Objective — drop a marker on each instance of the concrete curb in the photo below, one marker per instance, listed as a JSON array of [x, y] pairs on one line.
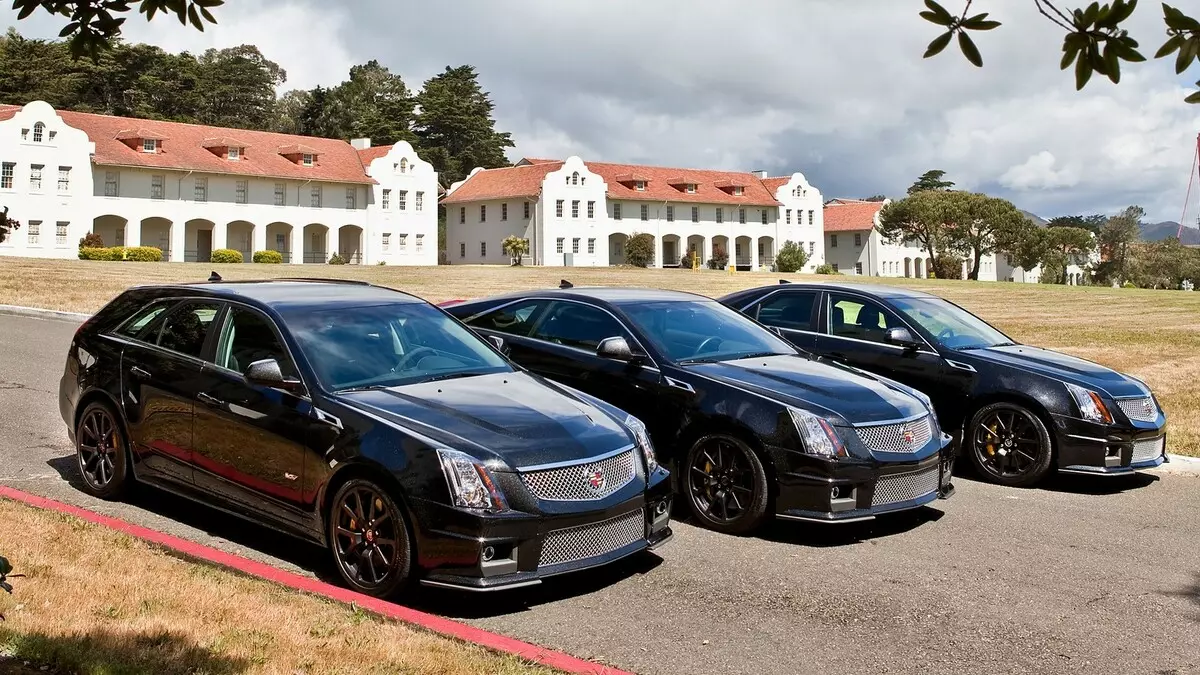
[[1180, 464], [447, 627], [39, 313]]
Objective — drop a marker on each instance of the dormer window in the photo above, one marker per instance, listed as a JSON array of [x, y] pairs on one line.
[[235, 154], [639, 185], [737, 191], [39, 130], [149, 145], [307, 160], [691, 188]]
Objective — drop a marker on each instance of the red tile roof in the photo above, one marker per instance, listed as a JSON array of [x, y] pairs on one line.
[[526, 181], [182, 149], [773, 184], [535, 160], [371, 154], [846, 215]]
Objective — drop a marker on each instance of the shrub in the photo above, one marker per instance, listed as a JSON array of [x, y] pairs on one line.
[[268, 257], [381, 263], [91, 240], [719, 260], [226, 255], [143, 254], [791, 258], [687, 261], [101, 253], [947, 267], [514, 247], [639, 250], [6, 574], [338, 259], [826, 269], [1128, 284]]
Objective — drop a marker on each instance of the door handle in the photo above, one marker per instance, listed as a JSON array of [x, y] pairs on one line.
[[209, 400], [139, 372]]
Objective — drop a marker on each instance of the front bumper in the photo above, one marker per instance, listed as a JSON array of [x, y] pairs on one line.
[[849, 492], [484, 552], [1095, 449]]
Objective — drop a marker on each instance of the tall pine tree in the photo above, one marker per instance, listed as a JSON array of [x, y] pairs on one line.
[[455, 126]]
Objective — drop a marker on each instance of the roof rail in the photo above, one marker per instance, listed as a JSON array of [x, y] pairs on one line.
[[563, 283]]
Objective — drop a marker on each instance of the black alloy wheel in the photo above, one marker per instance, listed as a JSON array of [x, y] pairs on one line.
[[101, 452], [726, 485], [369, 538], [1009, 445]]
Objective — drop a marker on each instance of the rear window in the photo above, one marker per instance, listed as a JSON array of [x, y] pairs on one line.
[[143, 325]]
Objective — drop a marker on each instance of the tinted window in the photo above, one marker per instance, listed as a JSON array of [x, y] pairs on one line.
[[143, 326], [788, 310], [577, 325], [390, 344], [515, 319], [186, 328], [702, 331], [249, 337], [859, 318], [952, 326]]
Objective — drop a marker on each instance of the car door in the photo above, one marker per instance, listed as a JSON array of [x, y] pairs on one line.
[[161, 370], [250, 441], [791, 311], [853, 331]]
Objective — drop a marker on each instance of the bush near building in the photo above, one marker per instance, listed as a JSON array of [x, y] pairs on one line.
[[122, 253], [719, 260], [91, 240], [639, 250], [268, 257], [338, 259], [791, 258], [826, 269], [226, 255]]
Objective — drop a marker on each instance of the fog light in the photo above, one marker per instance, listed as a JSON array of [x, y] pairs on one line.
[[660, 508], [835, 493], [488, 553]]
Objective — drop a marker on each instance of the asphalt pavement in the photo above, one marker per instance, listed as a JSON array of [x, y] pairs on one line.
[[1083, 575]]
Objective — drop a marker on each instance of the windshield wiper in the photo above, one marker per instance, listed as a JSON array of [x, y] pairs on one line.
[[363, 387], [452, 376], [728, 357]]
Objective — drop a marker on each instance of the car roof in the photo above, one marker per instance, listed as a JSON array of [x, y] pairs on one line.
[[615, 295], [294, 292], [878, 290]]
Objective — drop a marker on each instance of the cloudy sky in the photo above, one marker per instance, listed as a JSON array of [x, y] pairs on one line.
[[836, 89]]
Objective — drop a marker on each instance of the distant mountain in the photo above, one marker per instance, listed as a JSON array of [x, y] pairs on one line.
[[1037, 220], [1168, 229]]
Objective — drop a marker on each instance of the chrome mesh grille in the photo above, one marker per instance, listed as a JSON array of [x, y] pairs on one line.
[[583, 482], [1144, 451], [593, 539], [903, 437], [902, 487], [1138, 409]]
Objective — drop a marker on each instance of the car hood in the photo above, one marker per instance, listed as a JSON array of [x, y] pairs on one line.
[[816, 386], [508, 420], [1060, 367]]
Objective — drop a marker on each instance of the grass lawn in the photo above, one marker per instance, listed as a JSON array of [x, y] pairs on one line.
[[99, 601], [1154, 335]]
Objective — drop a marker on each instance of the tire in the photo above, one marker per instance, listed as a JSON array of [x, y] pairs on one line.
[[1022, 452], [373, 557], [725, 485], [102, 453]]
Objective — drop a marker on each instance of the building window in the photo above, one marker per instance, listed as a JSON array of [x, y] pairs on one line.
[[351, 198], [403, 165], [504, 211], [691, 188], [737, 192], [575, 178], [558, 248], [645, 212], [51, 135], [280, 241], [575, 245], [591, 246], [387, 238], [35, 228], [156, 186], [149, 145], [24, 134], [858, 268], [742, 215], [591, 210], [483, 213], [199, 189], [695, 214], [38, 130], [462, 249], [833, 241], [858, 239], [402, 202], [35, 176], [306, 159], [670, 214], [420, 243], [483, 249], [812, 245], [64, 178], [787, 216], [764, 216], [120, 237], [526, 210], [112, 184], [420, 201], [720, 214], [60, 233], [462, 214], [616, 211], [6, 175], [234, 154], [574, 208], [240, 190], [314, 197], [387, 199], [402, 240], [280, 194], [810, 217], [558, 208], [640, 185]]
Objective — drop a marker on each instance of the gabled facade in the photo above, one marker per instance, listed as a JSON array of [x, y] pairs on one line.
[[189, 189]]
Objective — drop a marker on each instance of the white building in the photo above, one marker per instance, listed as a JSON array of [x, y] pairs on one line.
[[577, 213], [190, 189]]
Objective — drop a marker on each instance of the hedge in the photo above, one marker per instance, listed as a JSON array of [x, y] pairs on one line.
[[226, 255], [122, 253], [269, 257]]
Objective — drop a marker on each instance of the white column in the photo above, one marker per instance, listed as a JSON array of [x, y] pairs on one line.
[[295, 242], [658, 249], [178, 241], [331, 240], [133, 233], [754, 254], [220, 236], [258, 240]]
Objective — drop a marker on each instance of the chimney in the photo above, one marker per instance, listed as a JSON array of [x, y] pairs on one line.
[[760, 173], [360, 143]]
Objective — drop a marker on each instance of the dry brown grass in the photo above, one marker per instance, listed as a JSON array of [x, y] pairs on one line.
[[98, 601], [1154, 335]]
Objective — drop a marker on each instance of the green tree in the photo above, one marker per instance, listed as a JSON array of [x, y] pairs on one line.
[[791, 258], [1095, 42], [7, 225], [319, 116], [875, 198], [1028, 250], [236, 88], [639, 250], [1065, 246], [95, 24], [288, 111], [1090, 223], [515, 247], [985, 225], [926, 217], [374, 103], [1115, 238], [930, 180], [455, 127]]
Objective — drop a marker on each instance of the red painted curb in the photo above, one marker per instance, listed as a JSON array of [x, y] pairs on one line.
[[436, 624]]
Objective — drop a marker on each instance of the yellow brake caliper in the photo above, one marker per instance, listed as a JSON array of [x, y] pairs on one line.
[[991, 446]]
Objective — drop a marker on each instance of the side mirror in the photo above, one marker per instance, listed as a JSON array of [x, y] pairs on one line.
[[615, 348], [266, 373], [498, 343], [901, 337]]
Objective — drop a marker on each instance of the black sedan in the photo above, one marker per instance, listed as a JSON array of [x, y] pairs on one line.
[[363, 419], [1019, 411], [749, 426]]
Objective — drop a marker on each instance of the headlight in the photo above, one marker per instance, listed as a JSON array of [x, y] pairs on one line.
[[470, 483], [642, 438], [818, 434], [1090, 405]]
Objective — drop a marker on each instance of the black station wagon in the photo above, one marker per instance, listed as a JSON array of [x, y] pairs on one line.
[[363, 419], [1019, 411]]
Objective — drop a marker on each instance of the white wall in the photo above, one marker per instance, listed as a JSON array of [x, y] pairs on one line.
[[466, 231], [803, 219], [412, 232]]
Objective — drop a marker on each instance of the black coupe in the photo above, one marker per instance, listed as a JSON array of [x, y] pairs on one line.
[[363, 419], [1019, 411], [749, 426]]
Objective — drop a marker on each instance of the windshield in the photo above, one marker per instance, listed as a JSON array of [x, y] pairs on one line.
[[951, 326], [692, 332], [390, 345]]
